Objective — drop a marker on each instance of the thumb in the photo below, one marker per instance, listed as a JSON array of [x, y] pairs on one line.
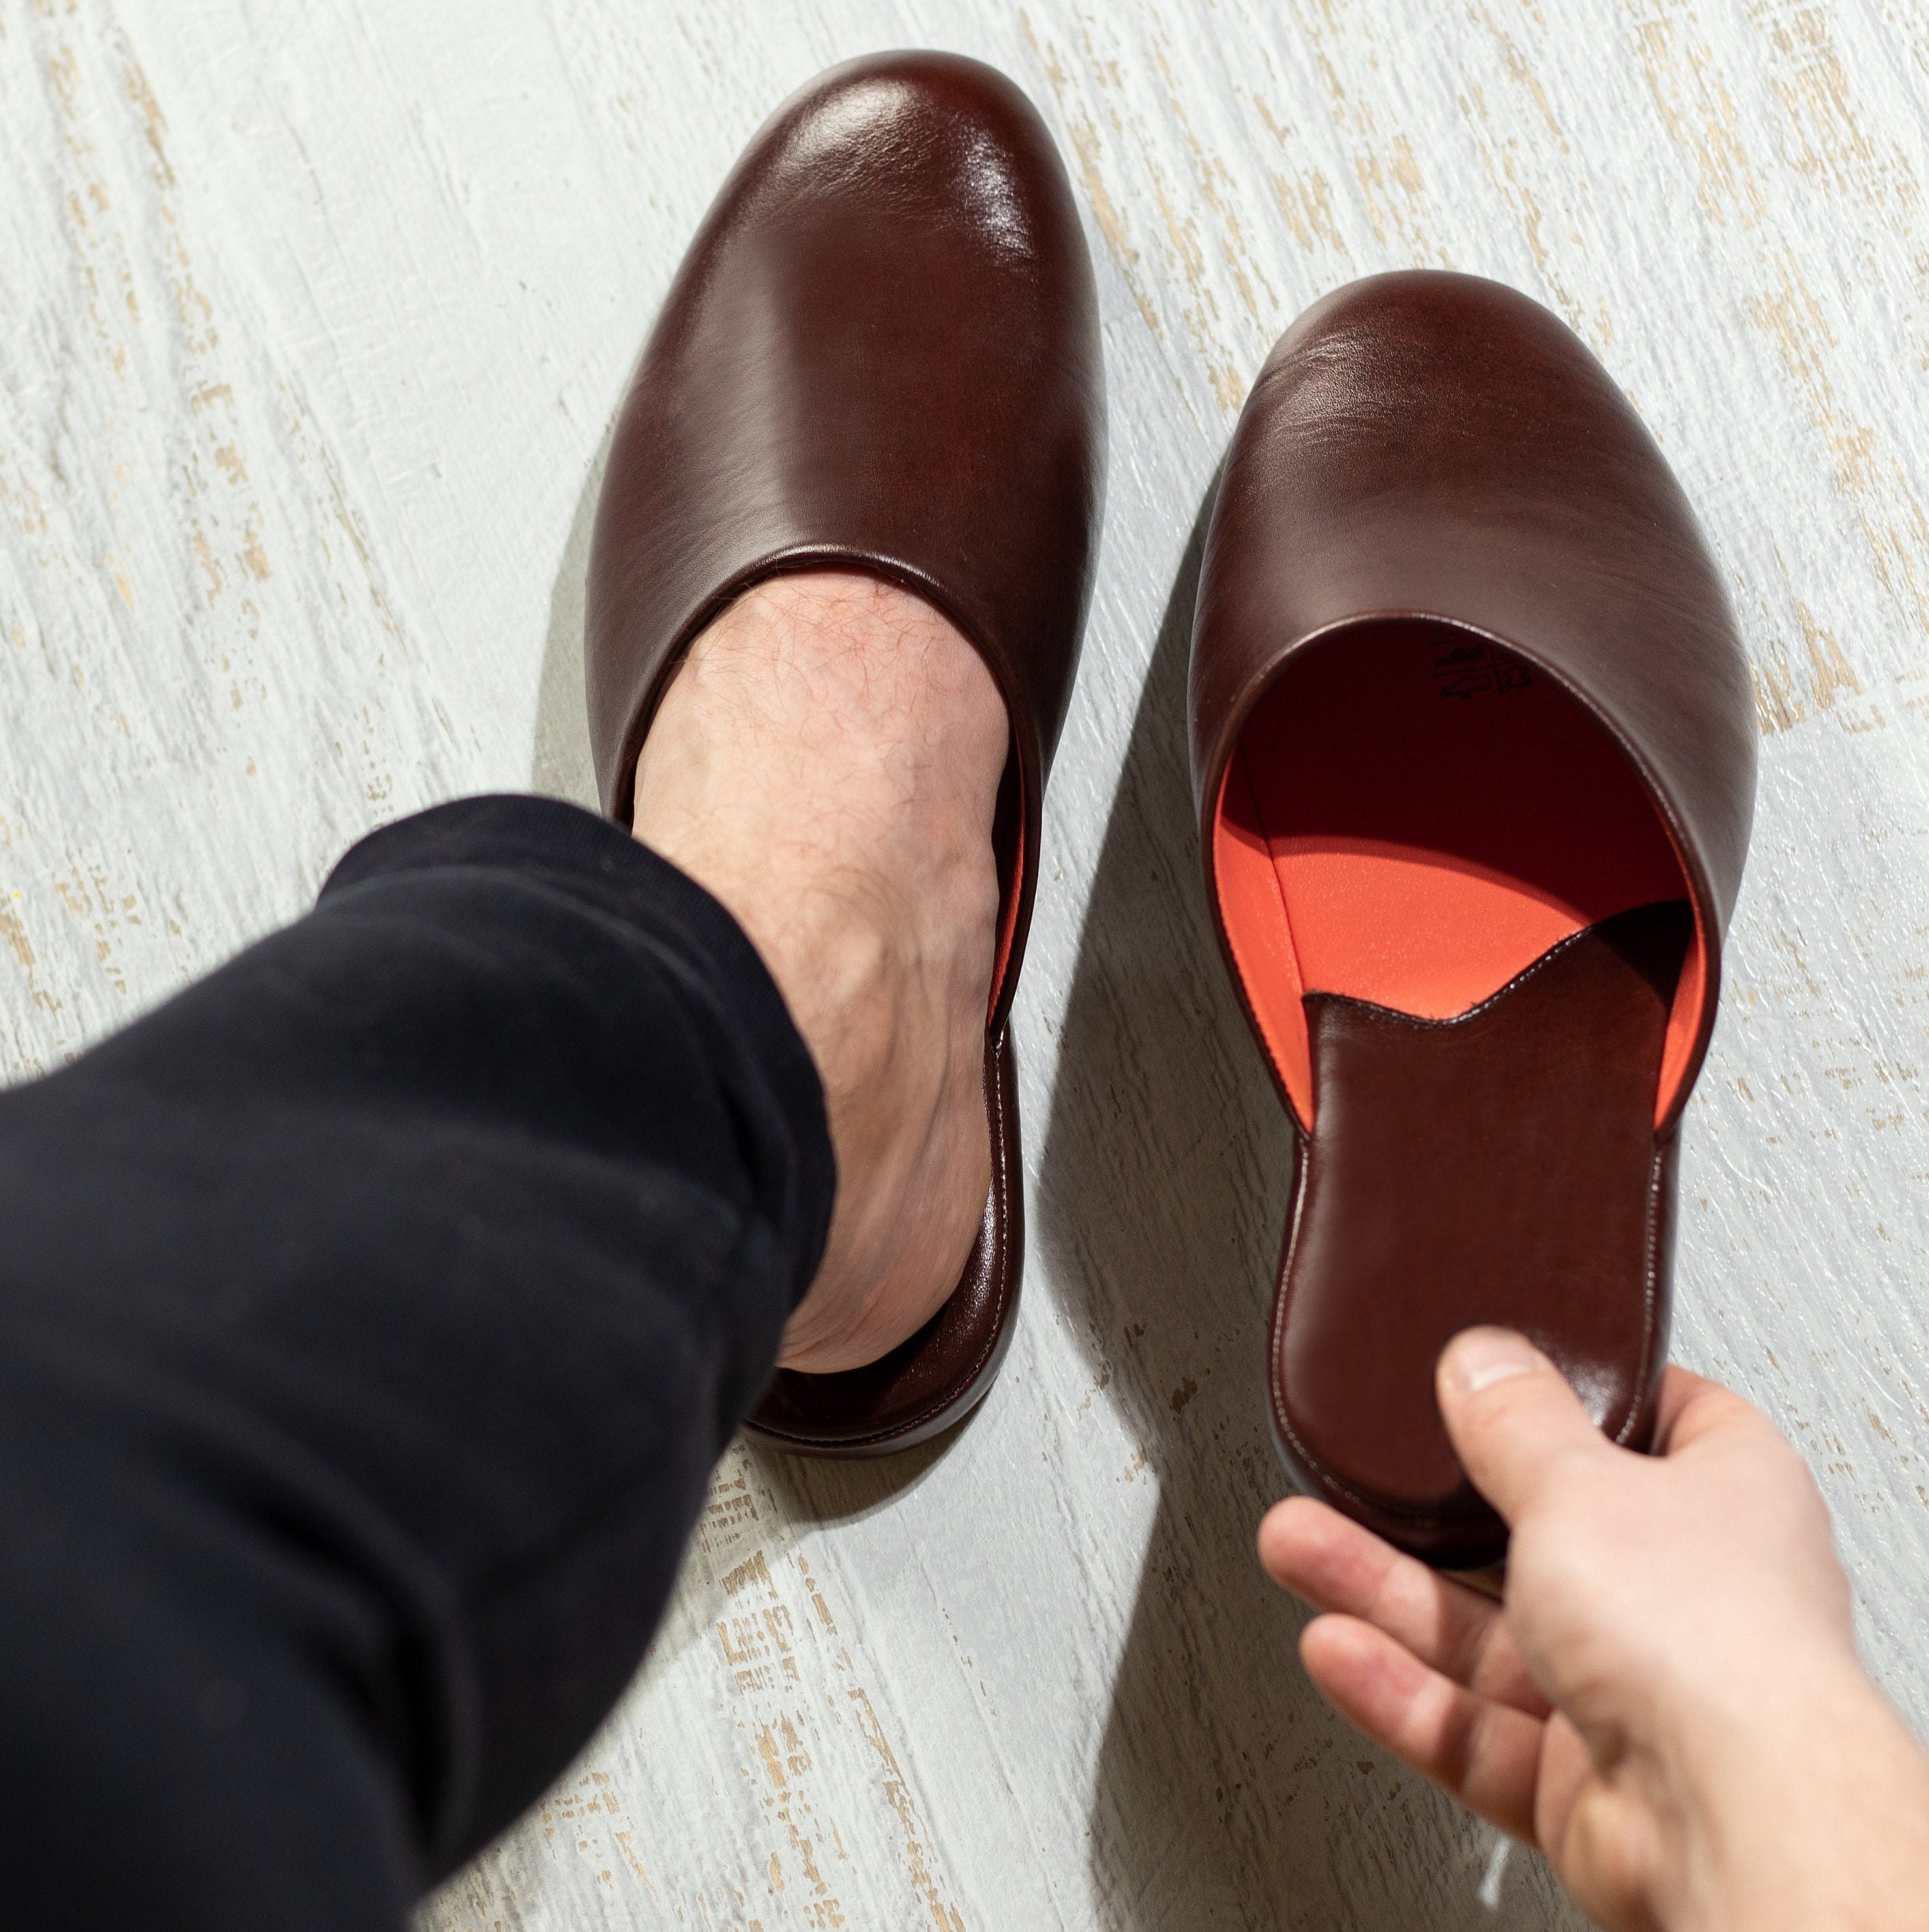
[[1511, 1416]]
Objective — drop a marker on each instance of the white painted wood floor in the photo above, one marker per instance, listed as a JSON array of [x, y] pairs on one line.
[[313, 316]]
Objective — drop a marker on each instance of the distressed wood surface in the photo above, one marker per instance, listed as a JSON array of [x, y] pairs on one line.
[[312, 319]]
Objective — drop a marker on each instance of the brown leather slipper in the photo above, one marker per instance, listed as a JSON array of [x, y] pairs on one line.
[[1473, 753], [882, 354]]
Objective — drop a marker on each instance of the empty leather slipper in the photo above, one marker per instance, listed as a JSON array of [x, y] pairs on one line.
[[1473, 753], [881, 354]]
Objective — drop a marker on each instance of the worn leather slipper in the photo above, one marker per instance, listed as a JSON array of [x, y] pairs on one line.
[[881, 353], [1473, 753]]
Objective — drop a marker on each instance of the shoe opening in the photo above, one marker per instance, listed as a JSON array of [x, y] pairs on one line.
[[1414, 815]]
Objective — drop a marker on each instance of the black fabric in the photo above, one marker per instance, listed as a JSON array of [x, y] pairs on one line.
[[372, 1316]]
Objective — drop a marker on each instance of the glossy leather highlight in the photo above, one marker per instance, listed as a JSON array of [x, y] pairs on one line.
[[881, 353], [1432, 454]]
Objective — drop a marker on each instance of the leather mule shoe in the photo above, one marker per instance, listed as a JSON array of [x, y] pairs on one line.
[[1473, 753], [880, 354]]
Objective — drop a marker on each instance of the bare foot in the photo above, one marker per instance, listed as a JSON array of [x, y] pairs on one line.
[[827, 763]]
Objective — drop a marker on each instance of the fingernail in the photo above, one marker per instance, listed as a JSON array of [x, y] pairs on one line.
[[1479, 1357]]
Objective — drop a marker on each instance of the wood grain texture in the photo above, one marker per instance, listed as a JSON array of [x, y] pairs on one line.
[[312, 320]]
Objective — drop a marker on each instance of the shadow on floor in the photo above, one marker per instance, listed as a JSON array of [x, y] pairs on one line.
[[1226, 1794], [821, 1490], [559, 760]]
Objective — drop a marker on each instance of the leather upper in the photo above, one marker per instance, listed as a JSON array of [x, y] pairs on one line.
[[1430, 445], [881, 352], [1431, 455]]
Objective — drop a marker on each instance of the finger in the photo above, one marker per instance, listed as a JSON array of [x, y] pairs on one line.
[[1486, 1754], [1513, 1419], [1601, 1836], [1335, 1565], [1691, 1407]]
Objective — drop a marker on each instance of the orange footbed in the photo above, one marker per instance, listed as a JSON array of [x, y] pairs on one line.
[[1412, 817]]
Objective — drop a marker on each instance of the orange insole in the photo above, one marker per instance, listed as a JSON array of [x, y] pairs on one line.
[[1412, 817]]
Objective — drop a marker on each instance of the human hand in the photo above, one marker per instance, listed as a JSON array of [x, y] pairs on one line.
[[1667, 1700]]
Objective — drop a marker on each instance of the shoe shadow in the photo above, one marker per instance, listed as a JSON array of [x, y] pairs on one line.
[[1227, 1794], [823, 1489], [560, 765]]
